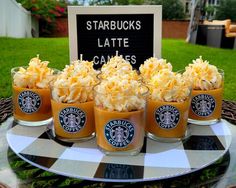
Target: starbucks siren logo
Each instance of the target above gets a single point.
(167, 116)
(72, 119)
(29, 102)
(203, 105)
(119, 133)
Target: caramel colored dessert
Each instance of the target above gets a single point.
(31, 93)
(72, 101)
(27, 113)
(206, 110)
(70, 127)
(169, 100)
(207, 94)
(120, 108)
(127, 142)
(167, 127)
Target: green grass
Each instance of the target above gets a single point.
(18, 52)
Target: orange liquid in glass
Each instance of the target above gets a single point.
(154, 128)
(217, 94)
(102, 117)
(87, 129)
(43, 112)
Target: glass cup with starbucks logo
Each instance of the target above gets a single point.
(31, 105)
(73, 120)
(119, 132)
(206, 105)
(167, 120)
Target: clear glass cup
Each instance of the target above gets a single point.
(206, 105)
(31, 107)
(167, 121)
(73, 121)
(119, 133)
(132, 75)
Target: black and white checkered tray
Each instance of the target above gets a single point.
(156, 161)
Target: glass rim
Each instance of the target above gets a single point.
(145, 93)
(14, 70)
(69, 86)
(104, 73)
(221, 71)
(190, 87)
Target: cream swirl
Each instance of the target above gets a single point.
(75, 83)
(203, 75)
(122, 95)
(36, 76)
(168, 86)
(153, 65)
(118, 66)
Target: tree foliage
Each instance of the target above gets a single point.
(226, 10)
(171, 9)
(46, 11)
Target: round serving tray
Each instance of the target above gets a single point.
(156, 161)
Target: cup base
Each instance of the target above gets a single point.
(121, 153)
(33, 123)
(169, 140)
(75, 139)
(206, 122)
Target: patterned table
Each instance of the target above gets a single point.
(156, 161)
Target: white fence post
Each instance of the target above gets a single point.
(15, 21)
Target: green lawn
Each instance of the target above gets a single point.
(17, 52)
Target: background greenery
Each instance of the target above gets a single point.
(226, 10)
(172, 9)
(18, 52)
(46, 11)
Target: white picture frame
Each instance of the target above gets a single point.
(73, 11)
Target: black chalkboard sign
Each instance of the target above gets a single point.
(99, 32)
(99, 36)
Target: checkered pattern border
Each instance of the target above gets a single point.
(156, 161)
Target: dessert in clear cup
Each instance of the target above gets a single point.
(207, 94)
(31, 93)
(72, 101)
(168, 104)
(120, 111)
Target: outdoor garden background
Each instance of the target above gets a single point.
(51, 42)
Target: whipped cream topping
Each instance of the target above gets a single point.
(204, 76)
(75, 83)
(36, 76)
(122, 95)
(118, 66)
(152, 66)
(168, 86)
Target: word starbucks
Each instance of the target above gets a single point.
(113, 25)
(113, 42)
